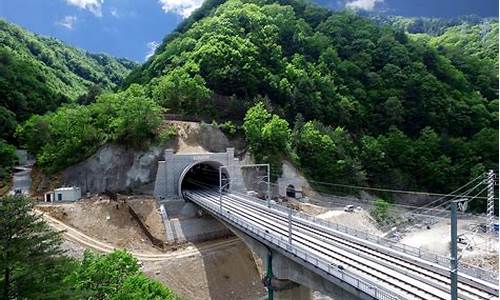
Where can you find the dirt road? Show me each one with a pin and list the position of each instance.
(215, 270)
(91, 243)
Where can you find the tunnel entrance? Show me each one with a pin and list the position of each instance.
(202, 175)
(290, 191)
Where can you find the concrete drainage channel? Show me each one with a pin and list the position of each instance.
(169, 232)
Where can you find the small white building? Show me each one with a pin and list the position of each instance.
(63, 194)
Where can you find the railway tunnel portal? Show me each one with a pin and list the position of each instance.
(180, 171)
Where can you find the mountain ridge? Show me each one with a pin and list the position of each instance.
(38, 74)
(349, 101)
(377, 85)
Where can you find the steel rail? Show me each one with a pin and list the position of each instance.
(299, 253)
(469, 291)
(364, 267)
(380, 242)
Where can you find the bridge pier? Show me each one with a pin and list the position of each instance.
(289, 290)
(283, 288)
(300, 280)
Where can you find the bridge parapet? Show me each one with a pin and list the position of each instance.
(418, 253)
(363, 288)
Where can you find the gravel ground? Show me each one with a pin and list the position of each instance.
(108, 221)
(437, 239)
(359, 220)
(228, 273)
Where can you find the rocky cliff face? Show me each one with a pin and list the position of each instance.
(116, 168)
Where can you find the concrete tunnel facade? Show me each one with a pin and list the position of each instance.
(177, 169)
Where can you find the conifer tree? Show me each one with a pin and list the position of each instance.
(31, 262)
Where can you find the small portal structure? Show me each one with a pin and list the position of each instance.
(291, 182)
(290, 191)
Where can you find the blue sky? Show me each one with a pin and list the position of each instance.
(131, 28)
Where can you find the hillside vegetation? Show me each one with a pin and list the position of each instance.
(38, 74)
(479, 40)
(469, 42)
(75, 132)
(347, 100)
(386, 109)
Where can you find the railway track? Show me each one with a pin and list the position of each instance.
(407, 267)
(406, 278)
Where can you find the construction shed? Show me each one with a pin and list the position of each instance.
(63, 194)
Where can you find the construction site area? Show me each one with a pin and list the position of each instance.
(199, 257)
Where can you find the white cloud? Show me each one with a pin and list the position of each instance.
(180, 7)
(94, 6)
(151, 48)
(67, 21)
(367, 5)
(114, 12)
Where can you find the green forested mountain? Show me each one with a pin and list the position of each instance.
(426, 25)
(473, 49)
(470, 35)
(476, 40)
(469, 42)
(347, 99)
(37, 74)
(390, 109)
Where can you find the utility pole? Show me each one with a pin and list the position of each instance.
(220, 189)
(221, 186)
(290, 226)
(268, 185)
(454, 251)
(490, 207)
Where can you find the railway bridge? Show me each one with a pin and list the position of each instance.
(302, 253)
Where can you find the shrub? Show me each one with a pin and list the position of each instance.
(380, 211)
(228, 127)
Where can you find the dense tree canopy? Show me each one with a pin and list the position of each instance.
(7, 159)
(74, 132)
(67, 70)
(380, 106)
(268, 136)
(28, 250)
(115, 276)
(376, 105)
(39, 74)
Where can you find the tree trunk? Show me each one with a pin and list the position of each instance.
(6, 283)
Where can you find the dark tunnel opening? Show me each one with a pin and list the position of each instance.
(203, 175)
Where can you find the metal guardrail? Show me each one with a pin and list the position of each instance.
(410, 250)
(371, 289)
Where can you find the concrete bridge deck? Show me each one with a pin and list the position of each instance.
(367, 271)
